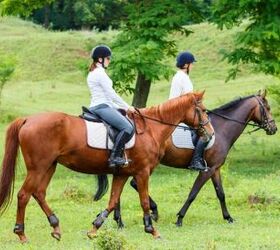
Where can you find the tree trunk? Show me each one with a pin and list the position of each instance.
(47, 16)
(141, 91)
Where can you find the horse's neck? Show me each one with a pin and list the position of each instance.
(168, 113)
(231, 130)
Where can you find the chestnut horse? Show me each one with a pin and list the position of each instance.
(229, 121)
(51, 138)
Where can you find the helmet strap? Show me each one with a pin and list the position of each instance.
(188, 69)
(102, 63)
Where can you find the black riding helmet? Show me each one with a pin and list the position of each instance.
(100, 51)
(184, 58)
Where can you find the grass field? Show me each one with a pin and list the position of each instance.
(48, 78)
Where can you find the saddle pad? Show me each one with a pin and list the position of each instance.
(182, 138)
(97, 136)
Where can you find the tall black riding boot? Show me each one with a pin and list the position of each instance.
(116, 159)
(197, 162)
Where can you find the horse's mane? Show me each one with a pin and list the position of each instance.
(231, 104)
(168, 107)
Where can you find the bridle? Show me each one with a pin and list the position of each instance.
(264, 123)
(201, 125)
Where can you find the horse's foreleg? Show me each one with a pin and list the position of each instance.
(117, 211)
(153, 205)
(198, 184)
(116, 190)
(142, 180)
(40, 196)
(117, 215)
(217, 182)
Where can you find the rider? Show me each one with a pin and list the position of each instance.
(105, 102)
(181, 84)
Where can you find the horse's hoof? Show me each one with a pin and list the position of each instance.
(154, 217)
(156, 235)
(179, 224)
(24, 240)
(56, 235)
(92, 233)
(230, 220)
(120, 225)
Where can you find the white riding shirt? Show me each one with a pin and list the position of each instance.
(101, 89)
(180, 85)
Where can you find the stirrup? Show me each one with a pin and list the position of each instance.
(194, 167)
(123, 164)
(116, 162)
(119, 162)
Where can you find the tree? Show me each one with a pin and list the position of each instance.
(145, 42)
(7, 67)
(77, 14)
(259, 43)
(20, 7)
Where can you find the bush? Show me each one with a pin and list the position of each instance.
(110, 240)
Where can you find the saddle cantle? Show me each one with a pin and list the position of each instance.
(99, 133)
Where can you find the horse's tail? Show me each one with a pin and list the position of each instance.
(9, 163)
(102, 182)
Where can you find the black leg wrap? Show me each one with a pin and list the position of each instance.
(53, 220)
(100, 218)
(19, 228)
(148, 223)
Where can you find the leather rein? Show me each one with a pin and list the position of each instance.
(264, 124)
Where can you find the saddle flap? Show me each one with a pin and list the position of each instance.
(97, 136)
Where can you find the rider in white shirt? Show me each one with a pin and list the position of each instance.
(181, 84)
(105, 102)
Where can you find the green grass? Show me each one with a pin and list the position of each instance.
(48, 78)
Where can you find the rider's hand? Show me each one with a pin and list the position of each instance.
(131, 109)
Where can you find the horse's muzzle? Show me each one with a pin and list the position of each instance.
(271, 128)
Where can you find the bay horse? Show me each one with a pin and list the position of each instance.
(229, 121)
(51, 138)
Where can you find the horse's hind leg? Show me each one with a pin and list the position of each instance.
(198, 184)
(217, 182)
(23, 197)
(40, 195)
(30, 184)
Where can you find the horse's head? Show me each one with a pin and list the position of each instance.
(199, 116)
(262, 114)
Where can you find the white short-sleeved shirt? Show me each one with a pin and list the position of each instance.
(101, 89)
(181, 84)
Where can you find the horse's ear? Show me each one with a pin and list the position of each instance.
(199, 95)
(262, 93)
